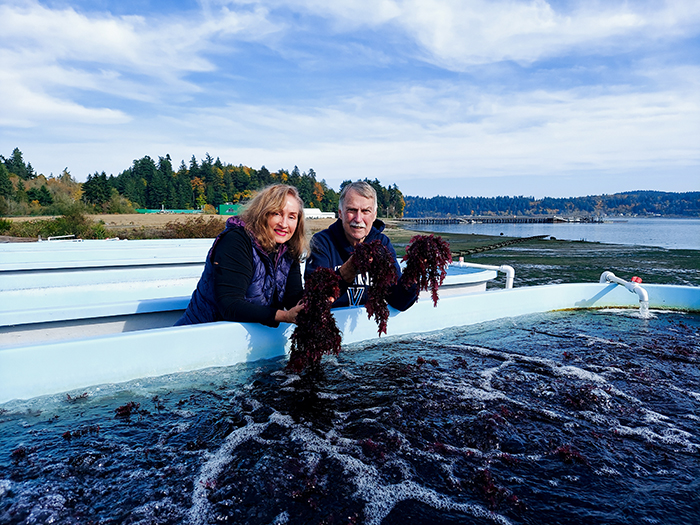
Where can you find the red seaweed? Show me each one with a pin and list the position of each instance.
(372, 258)
(496, 497)
(84, 431)
(426, 260)
(570, 455)
(316, 332)
(19, 454)
(125, 411)
(71, 399)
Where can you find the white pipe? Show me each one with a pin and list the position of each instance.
(504, 268)
(609, 277)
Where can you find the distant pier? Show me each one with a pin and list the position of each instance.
(494, 220)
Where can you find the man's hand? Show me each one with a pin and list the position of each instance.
(348, 271)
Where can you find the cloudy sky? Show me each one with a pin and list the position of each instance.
(450, 97)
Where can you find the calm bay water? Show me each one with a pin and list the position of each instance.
(664, 233)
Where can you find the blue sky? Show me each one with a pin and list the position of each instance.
(441, 97)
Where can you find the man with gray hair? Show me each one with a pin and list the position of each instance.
(333, 248)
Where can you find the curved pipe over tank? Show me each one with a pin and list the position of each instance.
(609, 277)
(504, 268)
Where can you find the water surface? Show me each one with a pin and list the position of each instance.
(569, 417)
(664, 233)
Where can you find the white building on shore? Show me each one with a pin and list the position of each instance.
(315, 213)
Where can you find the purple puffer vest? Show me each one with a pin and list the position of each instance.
(266, 287)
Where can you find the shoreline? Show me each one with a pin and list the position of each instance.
(398, 231)
(536, 260)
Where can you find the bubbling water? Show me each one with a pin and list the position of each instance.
(644, 310)
(576, 417)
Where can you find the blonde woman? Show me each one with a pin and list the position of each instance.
(252, 272)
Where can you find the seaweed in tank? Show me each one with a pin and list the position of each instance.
(374, 259)
(316, 332)
(427, 258)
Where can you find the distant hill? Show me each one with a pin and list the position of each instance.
(633, 203)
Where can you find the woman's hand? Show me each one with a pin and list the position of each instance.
(289, 316)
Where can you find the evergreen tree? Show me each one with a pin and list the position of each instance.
(241, 178)
(329, 203)
(219, 194)
(265, 177)
(183, 189)
(396, 203)
(143, 172)
(45, 197)
(15, 164)
(20, 194)
(229, 186)
(6, 189)
(193, 172)
(206, 170)
(131, 187)
(306, 185)
(97, 190)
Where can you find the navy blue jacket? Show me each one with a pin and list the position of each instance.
(330, 249)
(241, 282)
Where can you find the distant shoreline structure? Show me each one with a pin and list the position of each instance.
(488, 219)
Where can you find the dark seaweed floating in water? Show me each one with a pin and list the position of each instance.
(372, 258)
(125, 411)
(316, 332)
(427, 258)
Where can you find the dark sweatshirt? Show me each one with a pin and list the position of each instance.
(330, 249)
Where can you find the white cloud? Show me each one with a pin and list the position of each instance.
(457, 34)
(167, 45)
(52, 57)
(20, 107)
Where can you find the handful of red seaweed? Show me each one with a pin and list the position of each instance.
(372, 258)
(427, 258)
(316, 332)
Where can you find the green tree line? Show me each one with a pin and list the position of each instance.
(641, 203)
(152, 184)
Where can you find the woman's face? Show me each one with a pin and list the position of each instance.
(283, 223)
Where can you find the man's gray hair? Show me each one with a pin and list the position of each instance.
(360, 187)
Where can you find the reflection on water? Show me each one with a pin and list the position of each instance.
(673, 234)
(571, 417)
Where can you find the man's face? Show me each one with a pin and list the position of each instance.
(358, 215)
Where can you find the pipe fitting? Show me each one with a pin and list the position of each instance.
(609, 277)
(504, 268)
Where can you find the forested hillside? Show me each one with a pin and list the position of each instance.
(641, 203)
(154, 184)
(206, 184)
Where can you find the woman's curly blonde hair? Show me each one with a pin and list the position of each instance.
(270, 200)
